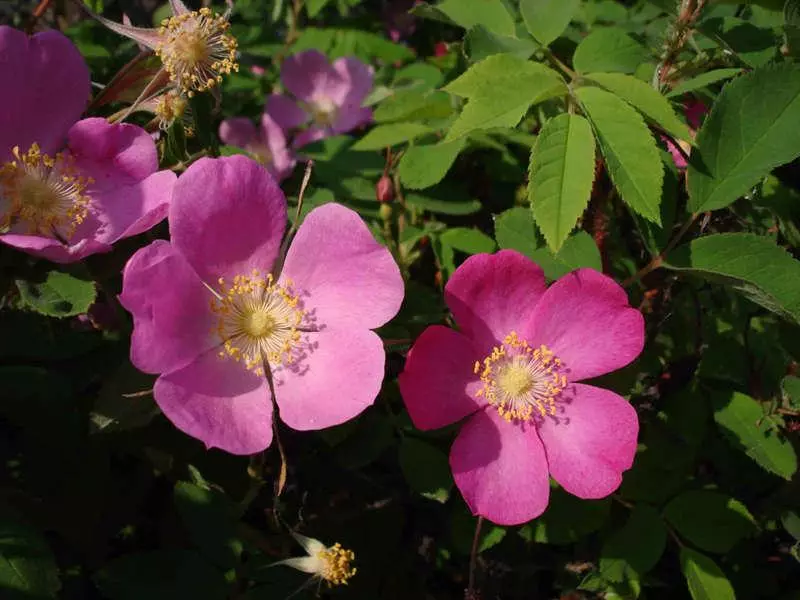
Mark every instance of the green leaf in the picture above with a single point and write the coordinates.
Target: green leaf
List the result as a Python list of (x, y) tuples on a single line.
[(125, 401), (59, 295), (747, 426), (646, 100), (547, 19), (609, 49), (567, 519), (424, 166), (635, 549), (791, 390), (414, 105), (500, 90), (705, 579), (702, 80), (390, 135), (752, 265), (711, 521), (444, 199), (466, 240), (313, 7), (211, 520), (630, 152), (426, 469), (492, 14), (753, 127), (480, 43), (561, 176), (27, 568)]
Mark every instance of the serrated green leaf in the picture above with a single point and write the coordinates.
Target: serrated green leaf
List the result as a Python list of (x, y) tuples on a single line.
[(705, 579), (609, 49), (390, 135), (480, 43), (745, 423), (791, 390), (467, 240), (646, 100), (561, 176), (753, 265), (634, 549), (426, 469), (547, 19), (753, 127), (27, 567), (711, 521), (500, 90), (414, 105), (424, 166), (702, 80), (492, 14), (630, 152), (444, 199), (58, 295)]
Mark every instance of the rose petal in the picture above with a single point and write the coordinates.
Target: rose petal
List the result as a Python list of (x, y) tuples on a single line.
[(500, 469), (491, 295), (438, 383), (338, 375), (350, 117), (52, 249), (172, 322), (238, 131), (359, 77), (46, 88), (585, 319), (345, 277), (218, 402), (591, 442), (308, 75), (285, 111), (282, 160), (227, 217)]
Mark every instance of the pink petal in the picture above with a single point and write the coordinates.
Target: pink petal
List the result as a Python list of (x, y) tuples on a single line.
[(500, 469), (283, 160), (227, 217), (178, 7), (359, 78), (338, 376), (310, 135), (219, 402), (308, 75), (350, 117), (238, 131), (677, 156), (172, 322), (45, 89), (585, 319), (438, 383), (345, 277), (285, 111), (52, 249), (491, 295), (591, 442)]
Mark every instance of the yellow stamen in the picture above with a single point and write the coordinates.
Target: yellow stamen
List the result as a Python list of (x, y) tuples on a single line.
[(520, 381), (323, 111), (258, 321), (45, 194), (197, 50), (172, 107), (336, 569)]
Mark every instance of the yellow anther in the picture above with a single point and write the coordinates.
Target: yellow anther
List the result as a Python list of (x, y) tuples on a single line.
[(336, 565)]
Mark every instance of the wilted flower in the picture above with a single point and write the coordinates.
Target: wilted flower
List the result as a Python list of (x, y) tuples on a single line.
[(68, 189), (267, 142), (224, 331), (329, 95), (332, 564), (513, 369)]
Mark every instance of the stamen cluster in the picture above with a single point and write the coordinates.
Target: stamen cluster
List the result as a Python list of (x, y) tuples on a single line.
[(337, 567)]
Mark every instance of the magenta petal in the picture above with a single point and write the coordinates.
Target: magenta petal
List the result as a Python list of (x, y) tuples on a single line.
[(282, 160), (218, 402), (285, 111), (359, 77), (500, 469), (338, 376), (591, 442), (238, 131), (307, 73), (585, 319), (310, 135), (45, 89), (491, 295), (438, 383), (227, 217), (345, 277), (52, 249), (350, 117), (172, 321)]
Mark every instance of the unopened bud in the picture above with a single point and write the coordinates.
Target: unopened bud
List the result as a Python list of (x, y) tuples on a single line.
[(386, 212), (384, 190)]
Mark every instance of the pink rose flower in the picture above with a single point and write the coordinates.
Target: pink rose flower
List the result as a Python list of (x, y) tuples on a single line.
[(267, 143), (513, 369), (214, 320), (329, 95), (68, 189)]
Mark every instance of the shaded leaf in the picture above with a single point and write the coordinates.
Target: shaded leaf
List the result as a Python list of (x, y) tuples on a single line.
[(426, 469), (634, 549), (59, 295), (609, 49), (491, 14), (391, 134), (705, 579), (424, 166), (710, 520), (547, 19), (27, 568)]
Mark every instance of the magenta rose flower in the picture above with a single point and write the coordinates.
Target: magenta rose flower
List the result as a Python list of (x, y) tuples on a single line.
[(68, 189), (328, 95), (224, 331), (513, 371), (266, 142)]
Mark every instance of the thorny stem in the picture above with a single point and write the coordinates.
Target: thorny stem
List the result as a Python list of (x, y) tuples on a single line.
[(293, 229), (688, 12), (658, 260), (473, 558)]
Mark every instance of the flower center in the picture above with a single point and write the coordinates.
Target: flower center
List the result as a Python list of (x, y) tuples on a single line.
[(172, 107), (336, 569), (197, 50), (261, 153), (45, 194), (258, 321), (520, 381), (324, 111)]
